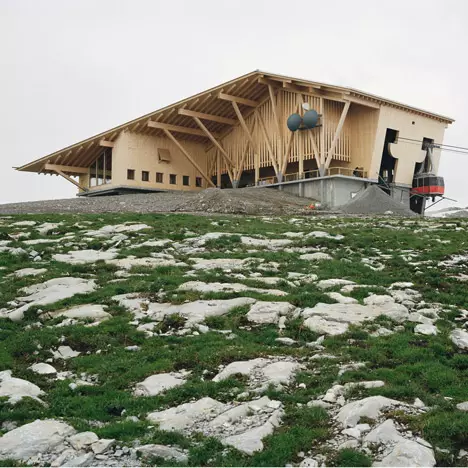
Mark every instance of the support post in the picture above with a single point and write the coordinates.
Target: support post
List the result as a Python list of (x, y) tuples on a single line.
[(218, 170)]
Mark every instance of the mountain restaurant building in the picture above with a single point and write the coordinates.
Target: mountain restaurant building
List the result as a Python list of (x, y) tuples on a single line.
[(239, 134)]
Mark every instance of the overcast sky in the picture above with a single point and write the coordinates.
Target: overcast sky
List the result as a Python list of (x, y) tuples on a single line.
[(72, 68)]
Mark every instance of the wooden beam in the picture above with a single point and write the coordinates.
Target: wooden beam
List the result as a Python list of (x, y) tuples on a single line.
[(241, 165), (238, 100), (70, 169), (187, 155), (176, 128), (74, 182), (314, 145), (286, 154), (274, 108), (267, 140), (242, 122), (218, 145), (363, 102), (337, 134), (106, 143), (214, 118)]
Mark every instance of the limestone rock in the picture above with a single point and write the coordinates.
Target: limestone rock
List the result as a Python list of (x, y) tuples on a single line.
[(163, 451), (369, 407), (82, 312), (331, 283), (202, 287), (16, 389), (195, 312), (316, 257), (269, 312), (272, 244), (52, 291), (158, 383), (102, 445), (79, 257), (40, 436), (29, 272), (65, 352), (82, 440), (459, 338), (341, 299), (463, 406), (262, 372), (425, 329), (43, 368), (187, 414), (408, 453)]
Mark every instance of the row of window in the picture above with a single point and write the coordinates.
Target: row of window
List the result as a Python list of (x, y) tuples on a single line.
[(145, 177)]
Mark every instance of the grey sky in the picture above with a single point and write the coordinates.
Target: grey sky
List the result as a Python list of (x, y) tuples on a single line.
[(72, 68)]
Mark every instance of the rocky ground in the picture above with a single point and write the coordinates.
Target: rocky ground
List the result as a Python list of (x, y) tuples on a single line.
[(255, 201), (181, 340)]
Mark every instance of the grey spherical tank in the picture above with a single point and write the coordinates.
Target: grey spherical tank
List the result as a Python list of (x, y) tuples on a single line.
[(294, 122), (310, 118)]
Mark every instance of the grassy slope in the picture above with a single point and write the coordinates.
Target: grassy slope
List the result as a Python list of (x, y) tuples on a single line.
[(412, 366)]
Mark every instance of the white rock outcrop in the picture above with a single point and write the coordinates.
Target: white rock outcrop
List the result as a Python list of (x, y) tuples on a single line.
[(263, 312), (459, 338), (202, 287), (242, 426), (39, 436), (79, 257), (370, 407), (158, 383), (16, 389)]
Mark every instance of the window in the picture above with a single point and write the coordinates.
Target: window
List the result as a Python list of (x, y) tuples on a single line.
[(159, 177), (172, 179), (131, 174), (145, 176), (198, 181), (186, 180)]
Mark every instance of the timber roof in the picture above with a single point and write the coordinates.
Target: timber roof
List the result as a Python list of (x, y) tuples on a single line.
[(247, 91)]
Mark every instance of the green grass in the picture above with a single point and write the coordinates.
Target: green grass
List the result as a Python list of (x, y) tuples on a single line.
[(426, 367)]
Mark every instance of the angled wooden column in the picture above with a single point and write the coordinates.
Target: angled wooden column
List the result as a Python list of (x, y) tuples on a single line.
[(284, 164), (218, 170), (337, 134), (74, 182), (227, 160), (267, 140), (189, 158)]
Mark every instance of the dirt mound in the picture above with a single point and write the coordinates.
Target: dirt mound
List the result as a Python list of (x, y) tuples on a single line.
[(245, 201), (374, 200)]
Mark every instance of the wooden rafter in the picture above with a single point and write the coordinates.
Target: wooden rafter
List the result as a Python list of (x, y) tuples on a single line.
[(238, 100), (69, 169), (202, 115), (337, 134), (106, 143), (187, 155), (229, 163), (176, 128)]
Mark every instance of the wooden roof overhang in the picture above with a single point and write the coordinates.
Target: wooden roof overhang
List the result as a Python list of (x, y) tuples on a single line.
[(206, 117)]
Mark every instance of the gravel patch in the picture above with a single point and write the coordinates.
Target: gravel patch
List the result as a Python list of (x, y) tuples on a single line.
[(263, 201), (374, 200)]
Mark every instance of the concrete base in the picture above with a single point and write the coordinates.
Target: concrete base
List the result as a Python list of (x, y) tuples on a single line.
[(334, 191)]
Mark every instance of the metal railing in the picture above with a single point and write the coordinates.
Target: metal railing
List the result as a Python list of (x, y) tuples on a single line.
[(313, 174)]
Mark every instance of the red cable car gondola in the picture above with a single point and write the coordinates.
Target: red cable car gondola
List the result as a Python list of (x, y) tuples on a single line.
[(428, 185)]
